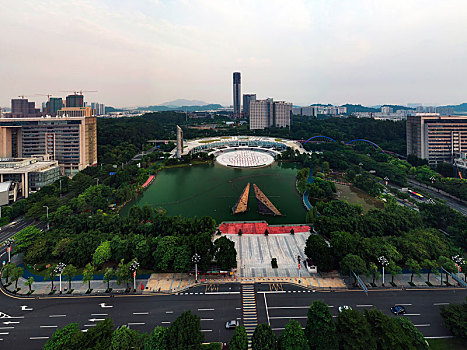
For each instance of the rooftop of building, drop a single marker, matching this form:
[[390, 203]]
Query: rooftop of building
[[22, 165], [5, 186]]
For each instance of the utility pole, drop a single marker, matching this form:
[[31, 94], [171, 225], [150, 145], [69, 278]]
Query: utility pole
[[196, 258]]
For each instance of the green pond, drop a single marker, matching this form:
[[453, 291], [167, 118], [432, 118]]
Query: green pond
[[212, 189]]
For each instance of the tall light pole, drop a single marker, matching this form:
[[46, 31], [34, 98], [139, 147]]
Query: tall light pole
[[459, 260], [8, 243], [60, 181], [299, 259], [133, 267], [196, 259], [59, 270], [384, 262], [47, 216]]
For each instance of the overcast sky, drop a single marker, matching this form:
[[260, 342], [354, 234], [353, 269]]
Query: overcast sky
[[142, 52]]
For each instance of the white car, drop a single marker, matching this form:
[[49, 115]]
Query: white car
[[231, 324], [344, 307]]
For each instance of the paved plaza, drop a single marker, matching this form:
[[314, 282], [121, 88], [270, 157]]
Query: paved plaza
[[254, 254]]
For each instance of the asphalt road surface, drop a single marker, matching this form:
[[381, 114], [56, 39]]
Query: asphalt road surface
[[28, 323]]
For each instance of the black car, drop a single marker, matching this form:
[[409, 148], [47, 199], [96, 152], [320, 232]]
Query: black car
[[398, 310]]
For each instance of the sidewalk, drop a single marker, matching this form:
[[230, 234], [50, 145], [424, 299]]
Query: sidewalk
[[402, 280]]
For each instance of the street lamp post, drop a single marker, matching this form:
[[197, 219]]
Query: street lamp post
[[60, 181], [59, 270], [133, 267], [196, 258], [8, 243], [459, 260], [384, 262], [299, 259], [47, 216]]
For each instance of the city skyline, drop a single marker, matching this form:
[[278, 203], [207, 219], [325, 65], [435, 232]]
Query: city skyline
[[392, 52]]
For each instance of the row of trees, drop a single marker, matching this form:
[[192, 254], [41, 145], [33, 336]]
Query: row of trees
[[353, 330], [100, 244], [357, 240], [455, 318], [184, 333]]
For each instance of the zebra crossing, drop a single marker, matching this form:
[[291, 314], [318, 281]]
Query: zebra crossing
[[250, 316]]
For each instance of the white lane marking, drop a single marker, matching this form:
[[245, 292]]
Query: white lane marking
[[26, 308], [103, 305], [220, 293], [274, 292], [165, 322], [267, 312], [89, 325], [10, 322], [290, 307], [169, 312], [6, 333], [140, 313], [37, 338], [281, 329], [48, 326], [206, 330], [287, 317], [363, 305], [84, 330], [436, 304], [135, 323], [404, 304], [57, 316], [422, 325], [411, 314], [205, 309], [238, 308], [207, 319], [95, 319], [7, 327], [441, 337], [99, 314]]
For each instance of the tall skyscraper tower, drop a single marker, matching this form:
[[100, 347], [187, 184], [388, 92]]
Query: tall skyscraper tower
[[237, 93]]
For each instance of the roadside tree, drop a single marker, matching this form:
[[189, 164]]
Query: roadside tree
[[320, 327], [263, 338], [293, 337], [239, 339]]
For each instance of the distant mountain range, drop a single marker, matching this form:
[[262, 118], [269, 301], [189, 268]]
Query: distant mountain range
[[182, 102], [180, 108], [458, 108]]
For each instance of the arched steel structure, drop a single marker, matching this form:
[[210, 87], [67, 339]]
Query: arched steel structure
[[371, 143], [314, 137]]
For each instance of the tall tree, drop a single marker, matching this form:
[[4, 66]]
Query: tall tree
[[102, 254], [185, 333], [293, 337], [100, 336], [319, 252], [88, 274], [7, 270], [15, 275], [386, 332], [108, 274], [70, 272], [412, 334], [320, 328], [29, 283], [354, 332], [69, 337], [455, 318], [414, 267], [226, 255], [263, 338], [124, 338], [50, 274], [157, 340], [239, 339], [353, 263]]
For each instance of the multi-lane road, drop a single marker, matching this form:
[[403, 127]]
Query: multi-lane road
[[28, 323], [9, 231]]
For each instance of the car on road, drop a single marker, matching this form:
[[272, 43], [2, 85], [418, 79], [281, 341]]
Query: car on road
[[231, 324], [398, 310], [344, 307]]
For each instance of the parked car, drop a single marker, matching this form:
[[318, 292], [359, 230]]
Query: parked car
[[231, 324], [344, 307], [398, 310]]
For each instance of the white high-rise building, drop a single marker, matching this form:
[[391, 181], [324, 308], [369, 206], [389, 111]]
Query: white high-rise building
[[282, 111], [267, 113]]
